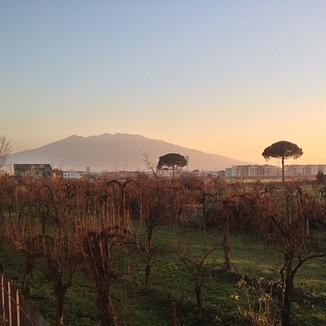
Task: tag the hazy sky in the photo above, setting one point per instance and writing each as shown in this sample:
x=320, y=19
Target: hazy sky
x=225, y=77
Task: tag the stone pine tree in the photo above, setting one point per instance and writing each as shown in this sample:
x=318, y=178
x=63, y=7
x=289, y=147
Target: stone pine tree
x=282, y=150
x=171, y=161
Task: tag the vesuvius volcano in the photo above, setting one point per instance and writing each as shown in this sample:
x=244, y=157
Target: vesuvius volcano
x=116, y=152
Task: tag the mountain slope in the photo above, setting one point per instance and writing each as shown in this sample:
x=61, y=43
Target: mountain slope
x=116, y=152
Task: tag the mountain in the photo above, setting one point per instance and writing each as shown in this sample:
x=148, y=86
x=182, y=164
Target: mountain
x=116, y=152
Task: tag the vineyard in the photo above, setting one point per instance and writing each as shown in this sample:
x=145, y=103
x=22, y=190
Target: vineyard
x=156, y=251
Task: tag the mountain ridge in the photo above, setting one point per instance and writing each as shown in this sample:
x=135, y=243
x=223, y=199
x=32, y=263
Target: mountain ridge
x=113, y=152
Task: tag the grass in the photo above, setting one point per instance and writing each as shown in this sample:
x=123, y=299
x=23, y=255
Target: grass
x=170, y=282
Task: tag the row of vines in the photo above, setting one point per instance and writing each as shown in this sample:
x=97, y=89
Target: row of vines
x=100, y=225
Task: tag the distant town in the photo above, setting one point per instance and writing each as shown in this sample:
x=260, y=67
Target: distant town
x=253, y=171
x=266, y=171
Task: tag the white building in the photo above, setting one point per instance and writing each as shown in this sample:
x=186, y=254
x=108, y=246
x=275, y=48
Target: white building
x=247, y=171
x=73, y=174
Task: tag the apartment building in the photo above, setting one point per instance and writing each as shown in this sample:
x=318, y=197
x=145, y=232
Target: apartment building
x=32, y=170
x=304, y=170
x=73, y=174
x=265, y=171
x=247, y=171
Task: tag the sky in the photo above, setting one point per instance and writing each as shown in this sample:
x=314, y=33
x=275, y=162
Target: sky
x=223, y=77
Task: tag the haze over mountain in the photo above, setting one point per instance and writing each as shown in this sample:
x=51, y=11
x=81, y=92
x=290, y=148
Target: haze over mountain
x=116, y=152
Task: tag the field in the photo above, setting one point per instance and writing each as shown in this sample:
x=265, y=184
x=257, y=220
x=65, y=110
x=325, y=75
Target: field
x=250, y=256
x=184, y=257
